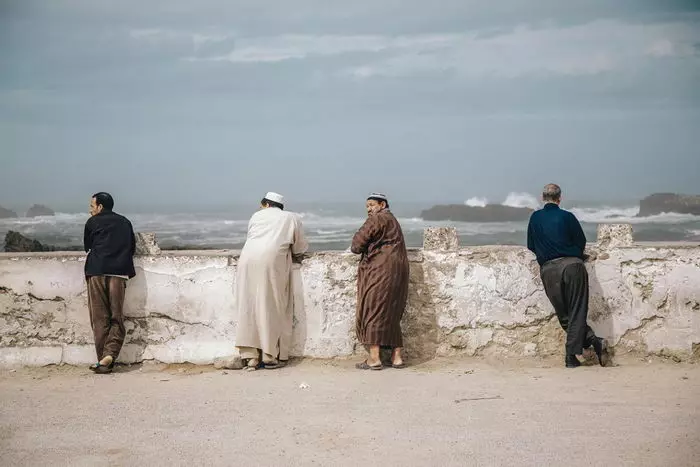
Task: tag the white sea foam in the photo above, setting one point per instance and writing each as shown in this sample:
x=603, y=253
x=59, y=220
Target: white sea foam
x=521, y=200
x=477, y=202
x=628, y=215
x=334, y=229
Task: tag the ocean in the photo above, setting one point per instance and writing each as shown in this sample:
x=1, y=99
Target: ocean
x=331, y=226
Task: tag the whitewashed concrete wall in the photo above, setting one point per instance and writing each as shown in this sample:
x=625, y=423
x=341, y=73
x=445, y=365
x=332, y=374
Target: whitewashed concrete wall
x=469, y=301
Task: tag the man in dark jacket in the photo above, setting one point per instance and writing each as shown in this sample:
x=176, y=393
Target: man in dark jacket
x=558, y=241
x=110, y=245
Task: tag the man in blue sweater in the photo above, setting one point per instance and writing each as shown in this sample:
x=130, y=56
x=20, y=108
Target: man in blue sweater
x=558, y=241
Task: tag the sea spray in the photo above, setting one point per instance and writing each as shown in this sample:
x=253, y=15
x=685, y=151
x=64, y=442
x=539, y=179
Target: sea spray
x=328, y=229
x=521, y=200
x=477, y=202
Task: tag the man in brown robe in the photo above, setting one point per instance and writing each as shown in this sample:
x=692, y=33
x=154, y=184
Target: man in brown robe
x=382, y=283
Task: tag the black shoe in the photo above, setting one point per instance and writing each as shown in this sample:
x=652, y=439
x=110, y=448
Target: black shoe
x=600, y=346
x=103, y=369
x=572, y=362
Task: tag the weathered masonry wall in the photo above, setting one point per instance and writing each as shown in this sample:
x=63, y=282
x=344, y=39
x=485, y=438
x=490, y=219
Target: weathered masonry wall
x=468, y=301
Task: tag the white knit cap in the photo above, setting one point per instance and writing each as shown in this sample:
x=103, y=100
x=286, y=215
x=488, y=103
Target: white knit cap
x=380, y=196
x=275, y=197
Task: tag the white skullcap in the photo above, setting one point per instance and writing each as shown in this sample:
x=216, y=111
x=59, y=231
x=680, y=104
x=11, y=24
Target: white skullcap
x=275, y=197
x=379, y=196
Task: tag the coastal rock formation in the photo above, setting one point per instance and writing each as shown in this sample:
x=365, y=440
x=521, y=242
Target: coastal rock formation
x=7, y=214
x=488, y=213
x=15, y=242
x=659, y=203
x=40, y=210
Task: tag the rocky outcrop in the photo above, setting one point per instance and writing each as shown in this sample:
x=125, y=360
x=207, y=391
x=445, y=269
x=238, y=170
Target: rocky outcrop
x=659, y=203
x=7, y=214
x=40, y=210
x=15, y=242
x=488, y=213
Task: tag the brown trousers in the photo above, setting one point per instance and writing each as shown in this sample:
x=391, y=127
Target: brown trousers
x=105, y=301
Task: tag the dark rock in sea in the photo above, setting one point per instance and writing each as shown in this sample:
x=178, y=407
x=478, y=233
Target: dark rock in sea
x=659, y=203
x=488, y=213
x=40, y=210
x=7, y=214
x=15, y=242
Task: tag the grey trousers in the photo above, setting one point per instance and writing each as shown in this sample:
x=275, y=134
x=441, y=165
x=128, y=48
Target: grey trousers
x=566, y=285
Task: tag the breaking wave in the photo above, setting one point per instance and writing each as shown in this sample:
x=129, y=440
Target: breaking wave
x=333, y=229
x=521, y=200
x=514, y=199
x=628, y=215
x=477, y=202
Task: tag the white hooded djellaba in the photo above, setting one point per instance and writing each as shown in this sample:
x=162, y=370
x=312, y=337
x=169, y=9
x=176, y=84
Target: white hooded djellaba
x=263, y=281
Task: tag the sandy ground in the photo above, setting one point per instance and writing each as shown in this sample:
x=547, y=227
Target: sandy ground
x=445, y=412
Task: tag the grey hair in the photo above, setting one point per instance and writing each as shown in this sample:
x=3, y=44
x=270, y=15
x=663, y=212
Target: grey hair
x=551, y=192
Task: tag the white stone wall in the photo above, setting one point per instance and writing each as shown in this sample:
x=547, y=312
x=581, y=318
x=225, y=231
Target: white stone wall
x=472, y=301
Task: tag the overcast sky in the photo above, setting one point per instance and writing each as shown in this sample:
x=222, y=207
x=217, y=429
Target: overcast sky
x=185, y=102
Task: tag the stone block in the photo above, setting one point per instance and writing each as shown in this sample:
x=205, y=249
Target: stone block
x=470, y=340
x=615, y=235
x=440, y=238
x=146, y=244
x=15, y=357
x=78, y=354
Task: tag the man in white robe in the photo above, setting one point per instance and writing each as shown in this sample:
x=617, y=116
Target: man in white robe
x=263, y=284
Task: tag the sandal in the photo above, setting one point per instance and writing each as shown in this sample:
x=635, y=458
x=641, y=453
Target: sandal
x=366, y=366
x=274, y=366
x=249, y=367
x=399, y=366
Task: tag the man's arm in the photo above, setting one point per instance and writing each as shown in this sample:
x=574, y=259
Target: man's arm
x=87, y=235
x=577, y=235
x=530, y=236
x=364, y=236
x=300, y=245
x=133, y=240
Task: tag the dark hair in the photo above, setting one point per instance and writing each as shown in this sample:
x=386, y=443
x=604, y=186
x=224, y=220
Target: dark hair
x=272, y=204
x=380, y=200
x=105, y=200
x=551, y=192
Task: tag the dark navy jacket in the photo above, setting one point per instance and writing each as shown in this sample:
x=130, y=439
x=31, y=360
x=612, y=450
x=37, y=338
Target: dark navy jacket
x=555, y=233
x=110, y=240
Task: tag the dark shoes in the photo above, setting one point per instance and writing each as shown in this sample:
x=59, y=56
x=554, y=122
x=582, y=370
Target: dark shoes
x=601, y=350
x=366, y=366
x=600, y=346
x=275, y=365
x=102, y=369
x=572, y=362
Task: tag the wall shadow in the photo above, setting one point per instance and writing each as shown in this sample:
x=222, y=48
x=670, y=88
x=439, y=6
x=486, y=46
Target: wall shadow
x=419, y=323
x=135, y=317
x=297, y=329
x=600, y=314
